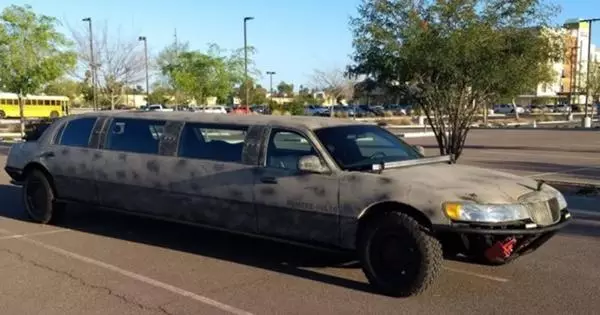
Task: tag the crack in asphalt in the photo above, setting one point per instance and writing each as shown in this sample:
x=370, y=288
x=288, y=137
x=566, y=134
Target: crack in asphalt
x=109, y=291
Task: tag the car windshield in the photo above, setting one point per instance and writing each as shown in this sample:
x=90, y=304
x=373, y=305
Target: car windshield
x=359, y=147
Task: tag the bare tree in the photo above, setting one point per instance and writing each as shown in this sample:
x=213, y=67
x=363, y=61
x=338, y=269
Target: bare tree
x=335, y=83
x=119, y=62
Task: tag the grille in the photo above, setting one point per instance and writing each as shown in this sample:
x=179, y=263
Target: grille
x=544, y=212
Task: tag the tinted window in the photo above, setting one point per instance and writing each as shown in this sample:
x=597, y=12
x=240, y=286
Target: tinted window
x=77, y=132
x=358, y=147
x=285, y=149
x=134, y=135
x=224, y=144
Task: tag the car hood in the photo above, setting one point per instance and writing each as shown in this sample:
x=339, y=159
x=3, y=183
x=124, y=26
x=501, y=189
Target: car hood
x=456, y=182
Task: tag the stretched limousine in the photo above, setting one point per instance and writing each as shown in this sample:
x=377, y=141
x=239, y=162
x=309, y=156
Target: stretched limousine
x=306, y=180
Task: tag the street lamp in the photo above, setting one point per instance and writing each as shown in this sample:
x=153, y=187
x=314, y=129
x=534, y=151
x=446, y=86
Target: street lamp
x=246, y=19
x=143, y=38
x=92, y=63
x=270, y=74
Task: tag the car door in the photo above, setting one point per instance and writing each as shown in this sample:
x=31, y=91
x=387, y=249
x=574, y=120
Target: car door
x=129, y=166
x=69, y=159
x=292, y=204
x=213, y=174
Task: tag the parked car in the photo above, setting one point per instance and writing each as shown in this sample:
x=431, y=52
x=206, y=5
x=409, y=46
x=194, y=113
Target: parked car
x=508, y=109
x=157, y=107
x=303, y=180
x=213, y=109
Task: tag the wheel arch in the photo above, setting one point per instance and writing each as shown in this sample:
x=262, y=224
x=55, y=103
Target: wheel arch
x=38, y=166
x=378, y=209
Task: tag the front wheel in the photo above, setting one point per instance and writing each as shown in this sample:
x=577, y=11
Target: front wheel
x=38, y=198
x=398, y=256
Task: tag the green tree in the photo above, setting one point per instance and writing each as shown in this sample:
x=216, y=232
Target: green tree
x=285, y=89
x=196, y=74
x=452, y=57
x=63, y=86
x=32, y=52
x=258, y=94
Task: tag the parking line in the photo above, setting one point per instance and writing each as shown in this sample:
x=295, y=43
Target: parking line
x=475, y=274
x=133, y=275
x=17, y=236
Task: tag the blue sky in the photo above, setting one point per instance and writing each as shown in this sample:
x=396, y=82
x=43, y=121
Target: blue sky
x=292, y=37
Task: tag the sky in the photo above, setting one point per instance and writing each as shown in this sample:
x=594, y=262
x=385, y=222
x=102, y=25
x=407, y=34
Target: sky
x=291, y=37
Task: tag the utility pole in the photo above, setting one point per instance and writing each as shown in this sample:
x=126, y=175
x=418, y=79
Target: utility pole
x=270, y=74
x=143, y=38
x=92, y=63
x=247, y=92
x=587, y=121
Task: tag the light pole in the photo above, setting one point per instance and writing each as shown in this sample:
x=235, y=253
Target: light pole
x=270, y=74
x=247, y=92
x=143, y=38
x=92, y=63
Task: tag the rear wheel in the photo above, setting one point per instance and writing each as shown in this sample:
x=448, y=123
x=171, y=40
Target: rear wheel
x=398, y=256
x=38, y=198
x=2, y=114
x=53, y=114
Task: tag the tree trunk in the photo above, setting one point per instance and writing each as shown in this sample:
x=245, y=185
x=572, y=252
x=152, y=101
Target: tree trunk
x=485, y=115
x=515, y=109
x=21, y=113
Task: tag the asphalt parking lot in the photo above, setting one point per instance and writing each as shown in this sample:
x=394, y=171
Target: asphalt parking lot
x=558, y=155
x=104, y=263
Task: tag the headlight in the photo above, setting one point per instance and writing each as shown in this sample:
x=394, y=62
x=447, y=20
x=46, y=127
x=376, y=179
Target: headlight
x=562, y=203
x=490, y=213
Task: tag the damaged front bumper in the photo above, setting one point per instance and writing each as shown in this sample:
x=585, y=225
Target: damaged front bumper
x=498, y=243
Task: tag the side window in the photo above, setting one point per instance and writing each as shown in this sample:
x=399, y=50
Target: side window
x=216, y=143
x=135, y=135
x=285, y=149
x=77, y=132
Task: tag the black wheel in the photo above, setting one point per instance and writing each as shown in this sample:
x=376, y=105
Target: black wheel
x=53, y=114
x=2, y=114
x=398, y=255
x=38, y=198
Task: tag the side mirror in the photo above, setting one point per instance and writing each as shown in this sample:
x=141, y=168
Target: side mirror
x=311, y=164
x=420, y=149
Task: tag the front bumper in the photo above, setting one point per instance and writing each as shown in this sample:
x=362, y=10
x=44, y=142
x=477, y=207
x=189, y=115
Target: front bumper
x=474, y=240
x=15, y=174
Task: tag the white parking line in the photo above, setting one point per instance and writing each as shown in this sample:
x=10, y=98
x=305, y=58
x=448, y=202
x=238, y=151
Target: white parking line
x=133, y=275
x=475, y=274
x=16, y=236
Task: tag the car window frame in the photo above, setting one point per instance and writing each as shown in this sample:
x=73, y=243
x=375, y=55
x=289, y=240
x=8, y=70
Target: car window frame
x=106, y=133
x=272, y=130
x=57, y=138
x=201, y=125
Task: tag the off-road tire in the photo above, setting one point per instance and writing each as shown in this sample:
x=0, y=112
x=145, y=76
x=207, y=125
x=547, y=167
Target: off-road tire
x=419, y=271
x=44, y=209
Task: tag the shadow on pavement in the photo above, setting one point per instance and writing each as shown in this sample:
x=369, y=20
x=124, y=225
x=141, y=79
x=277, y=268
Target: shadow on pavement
x=273, y=256
x=4, y=147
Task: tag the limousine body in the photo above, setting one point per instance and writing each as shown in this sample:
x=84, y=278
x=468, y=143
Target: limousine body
x=306, y=180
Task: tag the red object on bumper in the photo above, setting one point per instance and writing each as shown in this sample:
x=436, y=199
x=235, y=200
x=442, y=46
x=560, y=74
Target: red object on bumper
x=502, y=249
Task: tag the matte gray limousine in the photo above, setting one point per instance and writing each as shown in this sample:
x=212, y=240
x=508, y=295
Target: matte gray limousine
x=306, y=180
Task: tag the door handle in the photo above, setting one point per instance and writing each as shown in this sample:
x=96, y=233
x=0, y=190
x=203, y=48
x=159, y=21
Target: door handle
x=47, y=154
x=268, y=180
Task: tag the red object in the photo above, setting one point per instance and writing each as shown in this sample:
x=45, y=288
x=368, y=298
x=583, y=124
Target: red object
x=502, y=249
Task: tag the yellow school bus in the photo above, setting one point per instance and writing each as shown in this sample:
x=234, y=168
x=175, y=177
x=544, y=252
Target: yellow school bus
x=36, y=106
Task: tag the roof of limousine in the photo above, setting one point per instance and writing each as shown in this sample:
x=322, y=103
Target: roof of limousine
x=308, y=122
